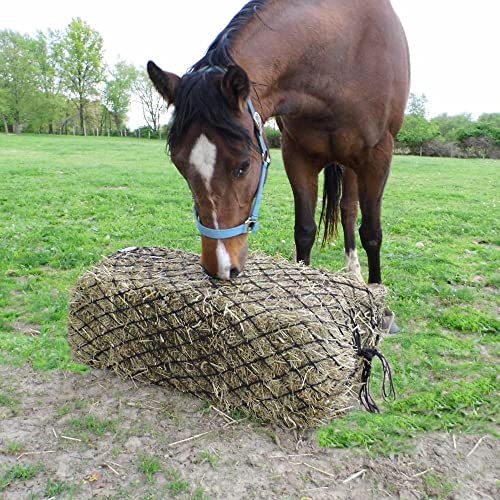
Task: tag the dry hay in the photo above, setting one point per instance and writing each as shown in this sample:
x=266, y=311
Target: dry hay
x=282, y=342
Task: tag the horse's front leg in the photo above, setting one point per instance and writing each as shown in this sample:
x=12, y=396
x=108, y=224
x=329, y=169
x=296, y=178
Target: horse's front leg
x=303, y=173
x=371, y=183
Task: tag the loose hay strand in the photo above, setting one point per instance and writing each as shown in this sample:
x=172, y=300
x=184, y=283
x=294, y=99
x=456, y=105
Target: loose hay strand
x=281, y=343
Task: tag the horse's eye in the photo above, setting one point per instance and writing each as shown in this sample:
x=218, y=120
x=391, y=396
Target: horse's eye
x=240, y=171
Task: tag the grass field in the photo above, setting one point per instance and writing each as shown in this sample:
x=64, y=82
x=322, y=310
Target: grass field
x=67, y=201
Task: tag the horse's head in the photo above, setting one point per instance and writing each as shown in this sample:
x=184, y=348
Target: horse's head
x=213, y=144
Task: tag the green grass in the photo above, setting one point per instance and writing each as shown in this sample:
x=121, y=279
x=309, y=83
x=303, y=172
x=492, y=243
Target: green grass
x=67, y=201
x=94, y=426
x=19, y=473
x=176, y=486
x=13, y=448
x=149, y=466
x=205, y=456
x=8, y=402
x=60, y=489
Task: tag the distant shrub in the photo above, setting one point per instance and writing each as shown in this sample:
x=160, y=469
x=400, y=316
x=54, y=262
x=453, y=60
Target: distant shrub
x=164, y=131
x=273, y=137
x=468, y=147
x=147, y=133
x=480, y=146
x=119, y=133
x=442, y=148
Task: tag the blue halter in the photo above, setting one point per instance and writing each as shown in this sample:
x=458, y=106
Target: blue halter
x=251, y=224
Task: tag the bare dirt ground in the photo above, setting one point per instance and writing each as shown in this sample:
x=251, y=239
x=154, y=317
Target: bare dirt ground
x=94, y=435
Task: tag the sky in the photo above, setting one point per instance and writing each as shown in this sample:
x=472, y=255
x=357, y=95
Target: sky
x=454, y=47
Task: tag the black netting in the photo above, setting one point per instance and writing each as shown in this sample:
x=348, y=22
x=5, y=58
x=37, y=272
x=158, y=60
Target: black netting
x=286, y=343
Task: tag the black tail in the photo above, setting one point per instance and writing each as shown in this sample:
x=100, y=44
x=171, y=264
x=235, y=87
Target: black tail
x=332, y=193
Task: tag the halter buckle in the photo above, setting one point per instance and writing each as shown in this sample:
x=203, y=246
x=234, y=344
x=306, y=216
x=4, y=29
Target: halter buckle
x=250, y=225
x=258, y=122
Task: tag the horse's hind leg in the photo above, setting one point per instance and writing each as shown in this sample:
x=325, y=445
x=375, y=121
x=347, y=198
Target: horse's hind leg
x=303, y=176
x=372, y=177
x=349, y=216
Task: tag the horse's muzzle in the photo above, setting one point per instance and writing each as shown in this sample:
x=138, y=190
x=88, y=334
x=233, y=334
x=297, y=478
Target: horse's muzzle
x=224, y=259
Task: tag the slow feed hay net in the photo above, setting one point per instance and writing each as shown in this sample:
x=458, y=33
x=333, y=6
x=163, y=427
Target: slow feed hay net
x=283, y=342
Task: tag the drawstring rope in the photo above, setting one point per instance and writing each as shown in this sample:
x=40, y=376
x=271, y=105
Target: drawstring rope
x=365, y=397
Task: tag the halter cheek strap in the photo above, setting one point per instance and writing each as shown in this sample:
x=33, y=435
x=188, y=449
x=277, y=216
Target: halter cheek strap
x=251, y=224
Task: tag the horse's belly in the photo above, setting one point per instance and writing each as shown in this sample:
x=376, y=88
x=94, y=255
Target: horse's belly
x=340, y=144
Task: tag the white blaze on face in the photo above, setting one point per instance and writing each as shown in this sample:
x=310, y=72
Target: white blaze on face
x=223, y=258
x=353, y=263
x=223, y=261
x=203, y=158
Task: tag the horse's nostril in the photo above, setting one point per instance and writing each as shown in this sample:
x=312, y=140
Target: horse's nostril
x=234, y=272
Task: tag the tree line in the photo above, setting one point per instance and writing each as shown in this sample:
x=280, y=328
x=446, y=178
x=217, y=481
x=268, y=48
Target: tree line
x=457, y=136
x=58, y=82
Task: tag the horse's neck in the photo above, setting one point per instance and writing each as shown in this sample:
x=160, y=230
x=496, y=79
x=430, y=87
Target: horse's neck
x=267, y=50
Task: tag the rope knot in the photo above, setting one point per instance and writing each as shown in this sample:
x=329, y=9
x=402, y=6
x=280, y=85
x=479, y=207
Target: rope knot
x=388, y=390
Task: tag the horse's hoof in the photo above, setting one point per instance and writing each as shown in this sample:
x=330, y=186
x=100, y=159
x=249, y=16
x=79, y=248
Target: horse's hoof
x=389, y=324
x=394, y=328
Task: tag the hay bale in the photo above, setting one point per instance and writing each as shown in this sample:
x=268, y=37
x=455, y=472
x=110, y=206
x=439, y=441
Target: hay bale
x=281, y=342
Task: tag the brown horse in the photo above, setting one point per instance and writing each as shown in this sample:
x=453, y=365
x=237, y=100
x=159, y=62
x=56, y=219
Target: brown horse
x=336, y=75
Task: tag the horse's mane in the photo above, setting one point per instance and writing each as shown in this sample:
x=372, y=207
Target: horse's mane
x=198, y=98
x=218, y=54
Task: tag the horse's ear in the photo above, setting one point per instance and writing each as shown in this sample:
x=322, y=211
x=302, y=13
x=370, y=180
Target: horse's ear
x=236, y=86
x=166, y=83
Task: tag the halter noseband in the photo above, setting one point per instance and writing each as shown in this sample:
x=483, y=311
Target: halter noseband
x=251, y=224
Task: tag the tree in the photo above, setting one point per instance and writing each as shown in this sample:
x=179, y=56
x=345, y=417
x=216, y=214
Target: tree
x=80, y=58
x=4, y=109
x=490, y=123
x=18, y=79
x=151, y=101
x=483, y=139
x=50, y=101
x=416, y=131
x=417, y=105
x=118, y=90
x=450, y=126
